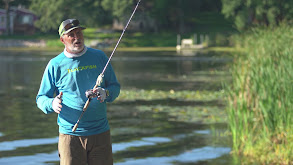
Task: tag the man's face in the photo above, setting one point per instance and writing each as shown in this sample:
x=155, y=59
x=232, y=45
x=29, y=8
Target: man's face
x=73, y=41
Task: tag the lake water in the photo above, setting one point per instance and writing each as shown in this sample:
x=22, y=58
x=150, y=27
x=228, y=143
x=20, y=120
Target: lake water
x=29, y=137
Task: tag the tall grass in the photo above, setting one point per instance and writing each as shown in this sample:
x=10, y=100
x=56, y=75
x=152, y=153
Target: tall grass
x=261, y=96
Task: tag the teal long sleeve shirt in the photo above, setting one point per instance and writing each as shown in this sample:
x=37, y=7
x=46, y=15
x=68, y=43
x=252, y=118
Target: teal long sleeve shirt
x=73, y=76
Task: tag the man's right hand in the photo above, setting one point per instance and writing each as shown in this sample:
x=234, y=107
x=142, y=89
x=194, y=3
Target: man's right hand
x=56, y=104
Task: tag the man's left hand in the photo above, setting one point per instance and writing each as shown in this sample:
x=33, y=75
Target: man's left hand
x=101, y=93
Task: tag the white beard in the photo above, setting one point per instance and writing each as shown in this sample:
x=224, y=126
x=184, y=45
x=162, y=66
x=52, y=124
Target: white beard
x=72, y=55
x=75, y=49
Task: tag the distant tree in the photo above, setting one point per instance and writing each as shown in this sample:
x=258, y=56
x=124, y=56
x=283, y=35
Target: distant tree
x=92, y=13
x=166, y=14
x=177, y=14
x=257, y=12
x=120, y=9
x=52, y=12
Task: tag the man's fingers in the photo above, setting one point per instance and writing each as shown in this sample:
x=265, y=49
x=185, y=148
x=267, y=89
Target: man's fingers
x=100, y=98
x=57, y=110
x=57, y=103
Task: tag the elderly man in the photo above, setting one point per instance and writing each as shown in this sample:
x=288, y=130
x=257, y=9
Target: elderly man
x=69, y=75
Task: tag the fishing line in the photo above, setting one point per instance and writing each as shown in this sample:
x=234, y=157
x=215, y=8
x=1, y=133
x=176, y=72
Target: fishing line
x=121, y=37
x=100, y=77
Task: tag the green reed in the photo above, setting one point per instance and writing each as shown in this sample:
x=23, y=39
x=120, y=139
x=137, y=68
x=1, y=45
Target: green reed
x=261, y=96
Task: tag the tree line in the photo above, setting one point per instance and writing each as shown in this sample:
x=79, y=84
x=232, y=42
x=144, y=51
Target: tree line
x=172, y=15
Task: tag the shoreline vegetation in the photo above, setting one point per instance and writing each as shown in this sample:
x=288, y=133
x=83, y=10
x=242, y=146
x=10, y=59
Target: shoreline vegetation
x=123, y=49
x=260, y=96
x=132, y=41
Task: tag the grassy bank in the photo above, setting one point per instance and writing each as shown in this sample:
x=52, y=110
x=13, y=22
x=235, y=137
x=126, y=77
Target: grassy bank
x=260, y=97
x=217, y=36
x=131, y=41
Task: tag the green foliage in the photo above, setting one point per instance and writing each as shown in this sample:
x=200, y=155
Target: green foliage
x=260, y=98
x=257, y=12
x=119, y=8
x=52, y=12
x=177, y=13
x=91, y=12
x=166, y=14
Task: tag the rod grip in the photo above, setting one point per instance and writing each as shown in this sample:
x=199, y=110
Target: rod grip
x=86, y=104
x=75, y=127
x=84, y=109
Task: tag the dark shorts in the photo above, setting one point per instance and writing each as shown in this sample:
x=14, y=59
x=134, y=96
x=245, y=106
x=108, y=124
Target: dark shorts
x=82, y=150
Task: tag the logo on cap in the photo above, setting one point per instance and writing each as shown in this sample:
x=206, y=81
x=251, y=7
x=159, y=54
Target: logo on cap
x=68, y=25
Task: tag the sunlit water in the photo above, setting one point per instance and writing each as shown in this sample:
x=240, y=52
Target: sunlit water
x=29, y=137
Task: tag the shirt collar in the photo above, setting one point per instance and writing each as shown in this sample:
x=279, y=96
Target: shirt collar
x=71, y=55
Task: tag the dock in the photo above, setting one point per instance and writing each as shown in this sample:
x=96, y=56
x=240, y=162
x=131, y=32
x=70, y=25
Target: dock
x=191, y=44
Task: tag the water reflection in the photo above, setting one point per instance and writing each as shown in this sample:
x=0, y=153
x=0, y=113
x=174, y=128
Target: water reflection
x=29, y=137
x=192, y=156
x=12, y=145
x=195, y=155
x=37, y=159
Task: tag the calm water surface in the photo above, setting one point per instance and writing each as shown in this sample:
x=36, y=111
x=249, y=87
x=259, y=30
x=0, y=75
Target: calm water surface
x=29, y=137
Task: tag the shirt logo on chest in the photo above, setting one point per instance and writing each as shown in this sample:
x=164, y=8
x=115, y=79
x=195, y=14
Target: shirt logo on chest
x=80, y=68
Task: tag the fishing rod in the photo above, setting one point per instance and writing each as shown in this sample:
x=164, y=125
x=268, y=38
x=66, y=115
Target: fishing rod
x=100, y=77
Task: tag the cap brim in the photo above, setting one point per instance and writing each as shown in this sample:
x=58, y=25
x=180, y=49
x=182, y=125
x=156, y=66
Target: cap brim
x=76, y=27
